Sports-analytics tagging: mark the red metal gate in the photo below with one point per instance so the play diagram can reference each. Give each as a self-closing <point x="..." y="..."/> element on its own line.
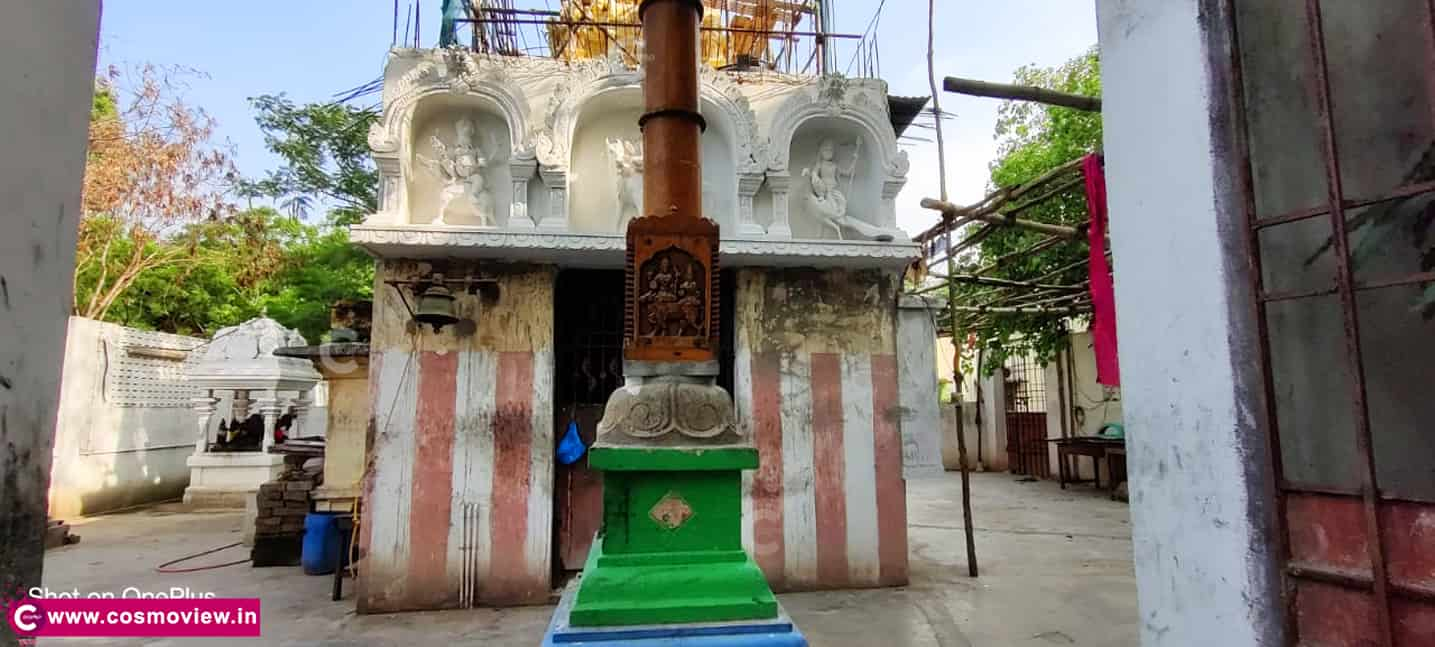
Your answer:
<point x="1334" y="119"/>
<point x="1026" y="444"/>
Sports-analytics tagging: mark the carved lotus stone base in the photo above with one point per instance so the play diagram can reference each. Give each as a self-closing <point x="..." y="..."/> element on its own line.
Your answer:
<point x="669" y="411"/>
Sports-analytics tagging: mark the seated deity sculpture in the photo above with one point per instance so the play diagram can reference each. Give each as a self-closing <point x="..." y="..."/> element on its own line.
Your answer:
<point x="672" y="304"/>
<point x="826" y="196"/>
<point x="460" y="168"/>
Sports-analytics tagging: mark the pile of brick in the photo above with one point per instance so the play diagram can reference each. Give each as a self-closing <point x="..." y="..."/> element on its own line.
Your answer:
<point x="279" y="526"/>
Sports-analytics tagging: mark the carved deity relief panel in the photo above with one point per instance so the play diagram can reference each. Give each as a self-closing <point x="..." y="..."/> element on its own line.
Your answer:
<point x="671" y="305"/>
<point x="672" y="302"/>
<point x="459" y="171"/>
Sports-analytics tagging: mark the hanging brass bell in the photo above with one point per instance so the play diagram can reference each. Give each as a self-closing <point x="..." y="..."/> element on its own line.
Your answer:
<point x="436" y="306"/>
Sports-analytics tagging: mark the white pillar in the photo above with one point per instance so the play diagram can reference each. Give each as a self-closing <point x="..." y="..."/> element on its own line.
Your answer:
<point x="390" y="189"/>
<point x="890" y="189"/>
<point x="521" y="170"/>
<point x="1201" y="500"/>
<point x="779" y="183"/>
<point x="204" y="408"/>
<point x="302" y="403"/>
<point x="269" y="407"/>
<point x="47" y="68"/>
<point x="747" y="186"/>
<point x="556" y="179"/>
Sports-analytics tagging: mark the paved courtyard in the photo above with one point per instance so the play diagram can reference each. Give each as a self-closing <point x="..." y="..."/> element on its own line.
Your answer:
<point x="1055" y="570"/>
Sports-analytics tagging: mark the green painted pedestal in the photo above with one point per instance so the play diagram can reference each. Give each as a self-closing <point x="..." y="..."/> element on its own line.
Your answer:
<point x="670" y="550"/>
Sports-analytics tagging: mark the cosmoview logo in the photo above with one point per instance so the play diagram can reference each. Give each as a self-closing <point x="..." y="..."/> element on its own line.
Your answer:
<point x="26" y="618"/>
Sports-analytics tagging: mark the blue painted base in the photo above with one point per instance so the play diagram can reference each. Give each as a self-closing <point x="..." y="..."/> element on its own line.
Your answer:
<point x="776" y="632"/>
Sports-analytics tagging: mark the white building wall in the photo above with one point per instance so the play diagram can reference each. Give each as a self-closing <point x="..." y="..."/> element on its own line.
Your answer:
<point x="124" y="427"/>
<point x="1204" y="568"/>
<point x="47" y="63"/>
<point x="126" y="424"/>
<point x="917" y="390"/>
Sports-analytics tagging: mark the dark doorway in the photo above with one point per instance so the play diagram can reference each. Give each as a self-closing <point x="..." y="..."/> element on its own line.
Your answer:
<point x="588" y="366"/>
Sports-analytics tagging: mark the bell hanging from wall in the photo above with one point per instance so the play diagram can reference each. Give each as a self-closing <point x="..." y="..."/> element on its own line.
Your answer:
<point x="436" y="305"/>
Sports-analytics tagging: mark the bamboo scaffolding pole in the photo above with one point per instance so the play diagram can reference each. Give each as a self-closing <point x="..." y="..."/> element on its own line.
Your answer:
<point x="976" y="88"/>
<point x="967" y="525"/>
<point x="1023" y="310"/>
<point x="954" y="216"/>
<point x="1081" y="299"/>
<point x="1055" y="191"/>
<point x="1008" y="299"/>
<point x="949" y="209"/>
<point x="974" y="239"/>
<point x="1043" y="244"/>
<point x="1064" y="270"/>
<point x="1005" y="283"/>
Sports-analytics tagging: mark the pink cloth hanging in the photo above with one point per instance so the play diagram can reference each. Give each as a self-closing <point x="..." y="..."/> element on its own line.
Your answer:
<point x="1103" y="294"/>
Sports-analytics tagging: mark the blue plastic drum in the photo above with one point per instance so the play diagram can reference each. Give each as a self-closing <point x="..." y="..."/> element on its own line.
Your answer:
<point x="321" y="544"/>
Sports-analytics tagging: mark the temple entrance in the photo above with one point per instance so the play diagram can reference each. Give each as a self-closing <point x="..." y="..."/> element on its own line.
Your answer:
<point x="588" y="366"/>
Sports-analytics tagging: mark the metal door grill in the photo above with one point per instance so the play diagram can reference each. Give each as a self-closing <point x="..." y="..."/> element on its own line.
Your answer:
<point x="1025" y="388"/>
<point x="1334" y="122"/>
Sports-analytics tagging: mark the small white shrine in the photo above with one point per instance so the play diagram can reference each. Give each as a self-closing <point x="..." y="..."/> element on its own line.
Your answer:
<point x="240" y="362"/>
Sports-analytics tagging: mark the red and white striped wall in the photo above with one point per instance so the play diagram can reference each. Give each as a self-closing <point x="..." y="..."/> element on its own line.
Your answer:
<point x="458" y="505"/>
<point x="827" y="506"/>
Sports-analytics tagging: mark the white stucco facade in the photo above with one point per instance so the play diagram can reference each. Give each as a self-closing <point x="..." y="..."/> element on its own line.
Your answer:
<point x="47" y="63"/>
<point x="1205" y="573"/>
<point x="547" y="182"/>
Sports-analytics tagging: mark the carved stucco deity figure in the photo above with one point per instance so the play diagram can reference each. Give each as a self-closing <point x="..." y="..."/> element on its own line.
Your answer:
<point x="627" y="159"/>
<point x="465" y="194"/>
<point x="826" y="196"/>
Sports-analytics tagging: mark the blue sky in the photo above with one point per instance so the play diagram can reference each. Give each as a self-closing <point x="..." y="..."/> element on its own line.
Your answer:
<point x="311" y="50"/>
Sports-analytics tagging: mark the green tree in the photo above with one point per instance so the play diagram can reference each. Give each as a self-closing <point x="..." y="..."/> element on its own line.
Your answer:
<point x="151" y="171"/>
<point x="160" y="249"/>
<point x="256" y="262"/>
<point x="1032" y="140"/>
<point x="325" y="150"/>
<point x="326" y="163"/>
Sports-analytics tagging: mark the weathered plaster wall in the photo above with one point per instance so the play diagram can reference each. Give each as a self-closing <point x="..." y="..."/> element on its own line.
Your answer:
<point x="1204" y="569"/>
<point x="985" y="434"/>
<point x="109" y="456"/>
<point x="917" y="389"/>
<point x="461" y="480"/>
<point x="1099" y="404"/>
<point x="346" y="432"/>
<point x="47" y="62"/>
<point x="816" y="387"/>
<point x="1091" y="405"/>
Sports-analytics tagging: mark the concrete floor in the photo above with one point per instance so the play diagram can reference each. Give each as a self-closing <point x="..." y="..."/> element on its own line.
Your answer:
<point x="1056" y="570"/>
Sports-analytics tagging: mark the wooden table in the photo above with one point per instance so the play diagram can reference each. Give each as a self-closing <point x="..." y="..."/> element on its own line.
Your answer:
<point x="1096" y="447"/>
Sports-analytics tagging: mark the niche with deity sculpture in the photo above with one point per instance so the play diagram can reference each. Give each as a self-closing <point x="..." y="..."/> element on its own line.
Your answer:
<point x="459" y="170"/>
<point x="836" y="188"/>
